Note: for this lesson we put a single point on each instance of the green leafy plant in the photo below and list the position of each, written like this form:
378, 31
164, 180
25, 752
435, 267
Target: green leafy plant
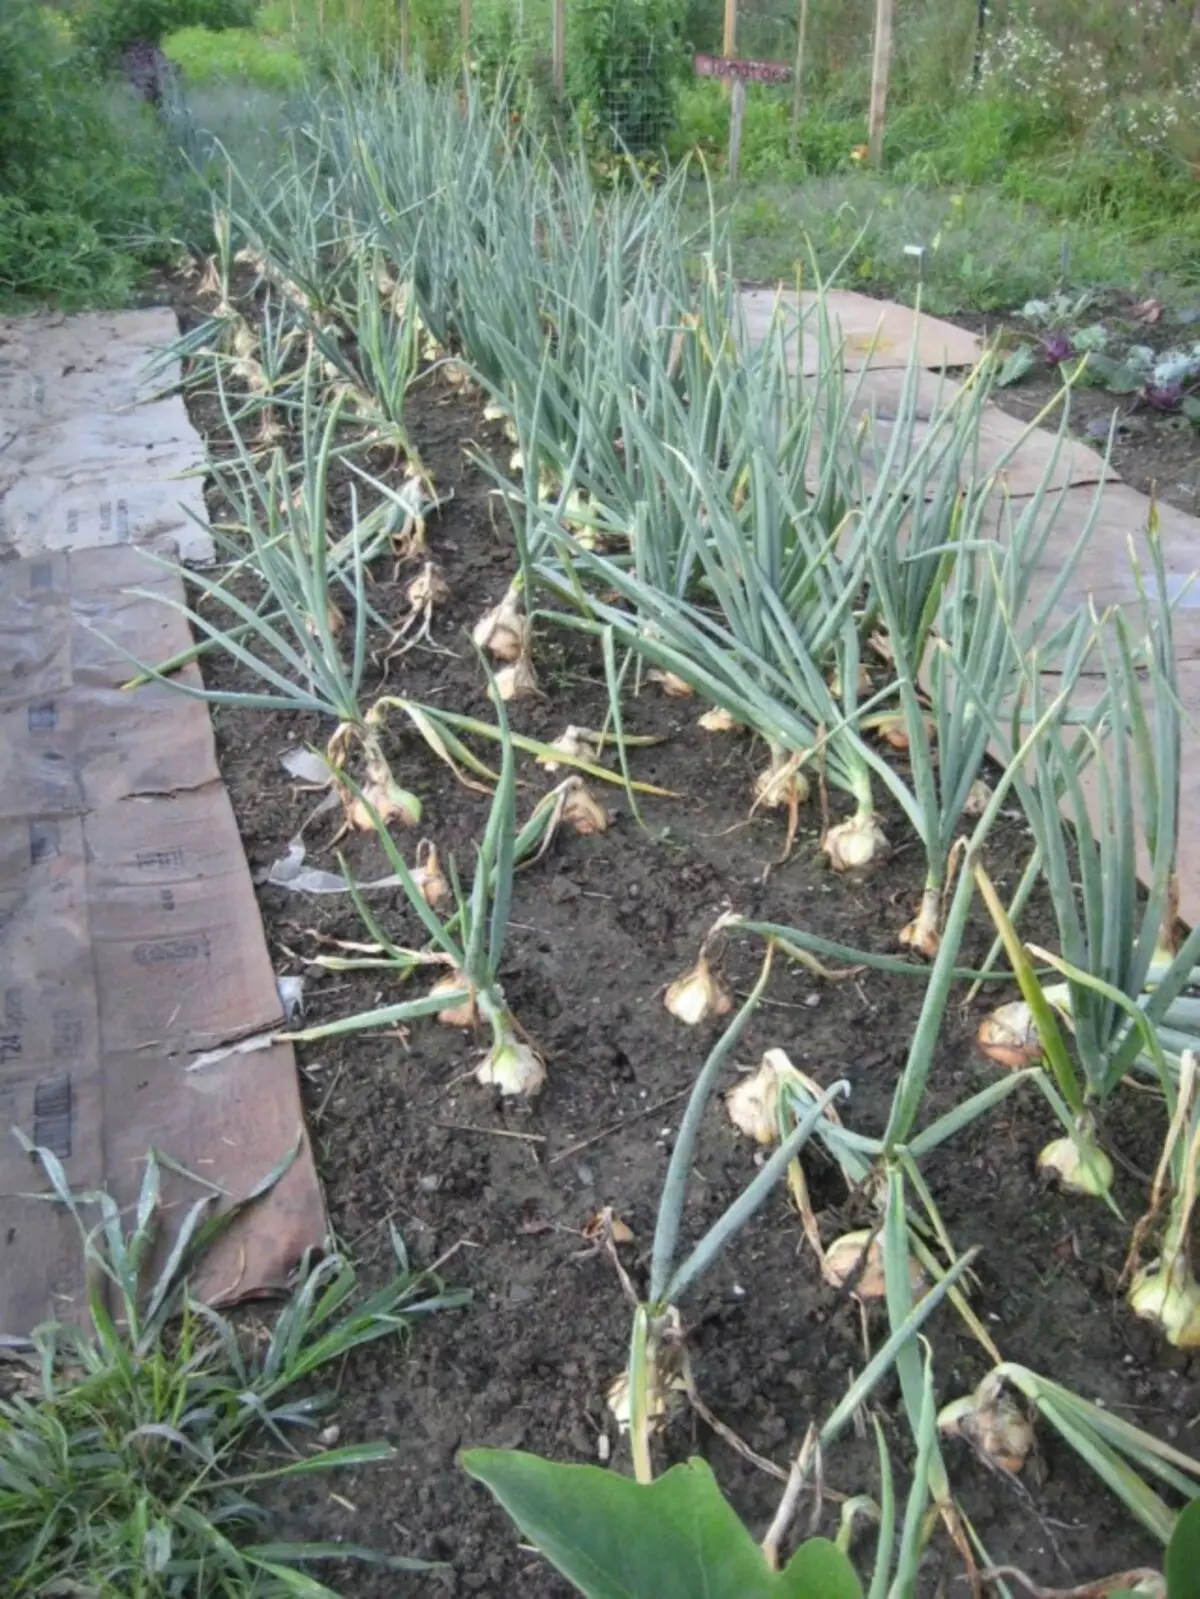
90, 194
106, 27
131, 1453
625, 66
674, 1538
236, 55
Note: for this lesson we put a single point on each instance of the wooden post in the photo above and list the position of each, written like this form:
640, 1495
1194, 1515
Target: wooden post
558, 64
737, 115
879, 80
729, 38
797, 91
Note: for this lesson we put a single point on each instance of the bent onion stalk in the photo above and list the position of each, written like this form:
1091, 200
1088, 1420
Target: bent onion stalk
1166, 1291
670, 1277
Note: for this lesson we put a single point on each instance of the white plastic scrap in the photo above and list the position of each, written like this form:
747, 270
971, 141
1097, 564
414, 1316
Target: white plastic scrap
291, 996
307, 766
289, 871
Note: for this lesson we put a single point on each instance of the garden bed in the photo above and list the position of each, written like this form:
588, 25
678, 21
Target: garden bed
502, 1194
1153, 451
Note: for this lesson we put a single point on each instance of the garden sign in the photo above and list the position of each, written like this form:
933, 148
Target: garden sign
741, 73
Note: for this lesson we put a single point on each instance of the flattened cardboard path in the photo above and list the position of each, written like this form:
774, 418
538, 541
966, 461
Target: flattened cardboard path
88, 455
130, 936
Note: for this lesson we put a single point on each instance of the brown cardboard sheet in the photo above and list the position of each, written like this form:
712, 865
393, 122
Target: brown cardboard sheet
90, 454
873, 333
130, 943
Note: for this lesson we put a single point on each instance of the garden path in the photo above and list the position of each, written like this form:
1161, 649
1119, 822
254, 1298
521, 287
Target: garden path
130, 936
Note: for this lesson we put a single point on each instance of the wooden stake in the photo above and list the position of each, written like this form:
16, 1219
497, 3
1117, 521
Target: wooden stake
879, 80
558, 66
737, 115
729, 38
797, 82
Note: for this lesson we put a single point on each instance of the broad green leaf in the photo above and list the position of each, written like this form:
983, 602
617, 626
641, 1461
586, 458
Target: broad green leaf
1190, 407
674, 1538
1018, 365
1183, 1555
1102, 372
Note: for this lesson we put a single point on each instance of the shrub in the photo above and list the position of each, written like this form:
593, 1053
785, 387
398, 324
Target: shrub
234, 55
89, 193
106, 27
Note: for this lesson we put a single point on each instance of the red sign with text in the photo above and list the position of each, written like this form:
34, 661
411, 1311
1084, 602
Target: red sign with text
747, 71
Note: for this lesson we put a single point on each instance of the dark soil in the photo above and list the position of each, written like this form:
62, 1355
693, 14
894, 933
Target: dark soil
1154, 452
500, 1193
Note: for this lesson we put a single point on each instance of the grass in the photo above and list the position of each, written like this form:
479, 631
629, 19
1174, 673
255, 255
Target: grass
983, 252
1009, 200
133, 1455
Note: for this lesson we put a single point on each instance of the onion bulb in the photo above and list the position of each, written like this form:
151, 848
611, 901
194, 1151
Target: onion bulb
672, 685
979, 797
581, 809
994, 1422
855, 844
1081, 1167
517, 681
753, 1106
504, 630
1009, 1037
857, 1259
782, 784
864, 682
335, 621
717, 721
387, 799
922, 932
577, 511
697, 996
574, 741
427, 589
465, 1012
893, 730
427, 874
512, 1067
619, 1404
1167, 1293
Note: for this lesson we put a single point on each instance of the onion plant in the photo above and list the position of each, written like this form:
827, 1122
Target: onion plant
375, 350
1166, 1291
469, 942
294, 226
737, 589
656, 1351
957, 610
658, 1358
292, 645
1122, 966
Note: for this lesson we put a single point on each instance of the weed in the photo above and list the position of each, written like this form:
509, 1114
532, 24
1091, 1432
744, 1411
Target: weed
130, 1455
